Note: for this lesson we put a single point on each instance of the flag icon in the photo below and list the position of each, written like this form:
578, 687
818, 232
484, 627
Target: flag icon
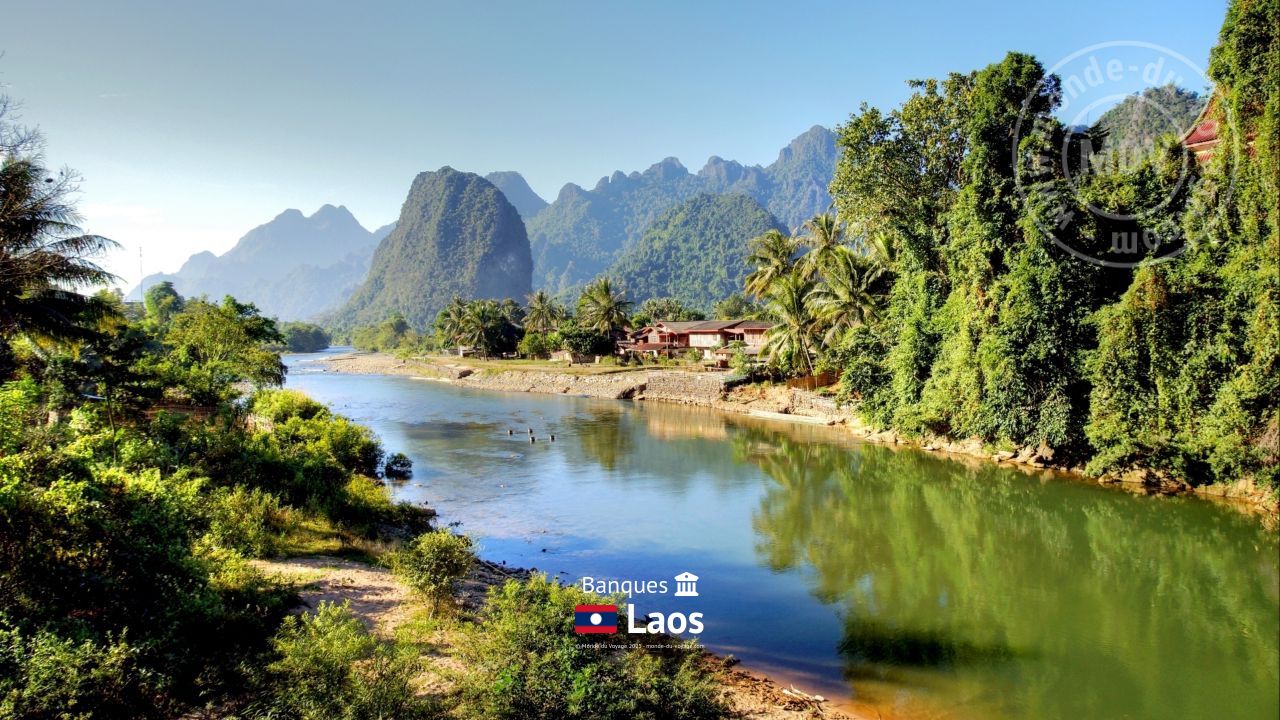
595, 619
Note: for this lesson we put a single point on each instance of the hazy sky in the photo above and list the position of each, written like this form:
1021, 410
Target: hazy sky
193, 122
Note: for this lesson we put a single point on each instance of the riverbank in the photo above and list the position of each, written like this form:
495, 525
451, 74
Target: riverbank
390, 610
707, 389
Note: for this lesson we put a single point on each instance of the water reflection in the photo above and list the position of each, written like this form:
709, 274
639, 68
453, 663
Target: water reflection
1066, 601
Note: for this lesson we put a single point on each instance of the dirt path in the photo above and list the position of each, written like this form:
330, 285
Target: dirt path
383, 603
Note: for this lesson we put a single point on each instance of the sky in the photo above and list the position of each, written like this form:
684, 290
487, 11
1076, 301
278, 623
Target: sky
191, 123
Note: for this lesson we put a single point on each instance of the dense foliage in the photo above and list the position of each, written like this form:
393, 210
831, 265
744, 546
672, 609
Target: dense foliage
1132, 127
457, 236
301, 337
694, 251
982, 327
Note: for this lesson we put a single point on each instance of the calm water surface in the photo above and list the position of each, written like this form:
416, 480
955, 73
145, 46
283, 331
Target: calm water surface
907, 582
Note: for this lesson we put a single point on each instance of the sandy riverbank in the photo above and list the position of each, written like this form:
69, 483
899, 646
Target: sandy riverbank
777, 402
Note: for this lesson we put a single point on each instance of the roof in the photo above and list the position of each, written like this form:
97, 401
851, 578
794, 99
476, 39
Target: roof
1202, 138
712, 326
686, 576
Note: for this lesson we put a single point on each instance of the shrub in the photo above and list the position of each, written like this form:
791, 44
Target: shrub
433, 562
280, 405
250, 521
398, 466
526, 662
329, 667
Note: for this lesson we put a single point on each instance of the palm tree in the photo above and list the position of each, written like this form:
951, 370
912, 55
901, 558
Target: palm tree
543, 313
602, 307
481, 325
793, 330
45, 256
450, 320
846, 297
823, 234
773, 255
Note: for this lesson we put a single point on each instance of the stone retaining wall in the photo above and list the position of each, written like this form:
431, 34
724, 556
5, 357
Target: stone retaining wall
617, 386
689, 388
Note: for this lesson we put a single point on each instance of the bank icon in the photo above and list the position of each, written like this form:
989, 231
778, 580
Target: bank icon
686, 585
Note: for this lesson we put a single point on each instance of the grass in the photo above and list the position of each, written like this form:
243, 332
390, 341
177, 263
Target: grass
319, 536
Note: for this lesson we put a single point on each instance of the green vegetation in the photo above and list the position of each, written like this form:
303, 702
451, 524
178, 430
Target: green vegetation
433, 563
457, 236
582, 233
1131, 129
956, 315
300, 337
693, 252
526, 663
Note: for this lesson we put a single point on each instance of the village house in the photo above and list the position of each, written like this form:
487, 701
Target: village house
710, 337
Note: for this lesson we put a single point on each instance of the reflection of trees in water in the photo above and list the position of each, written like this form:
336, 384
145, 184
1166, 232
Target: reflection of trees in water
1102, 602
667, 444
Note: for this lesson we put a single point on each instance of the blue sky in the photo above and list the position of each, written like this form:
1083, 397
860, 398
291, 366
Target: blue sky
192, 123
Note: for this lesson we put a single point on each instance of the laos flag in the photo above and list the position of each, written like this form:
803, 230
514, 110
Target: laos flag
595, 619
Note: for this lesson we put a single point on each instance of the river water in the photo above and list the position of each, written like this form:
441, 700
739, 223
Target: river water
907, 584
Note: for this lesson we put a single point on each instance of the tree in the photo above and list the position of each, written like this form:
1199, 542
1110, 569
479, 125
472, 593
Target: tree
44, 255
846, 298
773, 255
162, 302
216, 346
602, 307
735, 307
789, 342
449, 321
485, 327
543, 314
665, 308
823, 236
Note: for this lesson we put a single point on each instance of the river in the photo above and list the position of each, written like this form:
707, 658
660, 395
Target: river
907, 584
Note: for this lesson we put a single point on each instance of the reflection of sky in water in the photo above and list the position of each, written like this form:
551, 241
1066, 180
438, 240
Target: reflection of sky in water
972, 590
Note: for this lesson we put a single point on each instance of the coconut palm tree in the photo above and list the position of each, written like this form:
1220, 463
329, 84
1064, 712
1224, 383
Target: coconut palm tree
793, 331
482, 324
602, 307
846, 297
45, 256
773, 255
543, 313
823, 235
449, 323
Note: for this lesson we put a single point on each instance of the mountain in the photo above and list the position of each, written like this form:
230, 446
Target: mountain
583, 231
696, 251
293, 267
457, 235
1133, 125
512, 184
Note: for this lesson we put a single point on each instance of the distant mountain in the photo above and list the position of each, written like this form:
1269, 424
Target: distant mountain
512, 184
695, 251
457, 235
583, 231
1133, 125
293, 267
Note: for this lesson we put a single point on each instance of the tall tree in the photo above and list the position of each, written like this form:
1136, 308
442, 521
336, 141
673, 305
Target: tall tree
773, 256
823, 236
602, 307
847, 296
543, 313
44, 255
790, 342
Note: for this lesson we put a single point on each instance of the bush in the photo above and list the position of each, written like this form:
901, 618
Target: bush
280, 405
526, 662
536, 345
433, 562
330, 667
250, 521
398, 466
